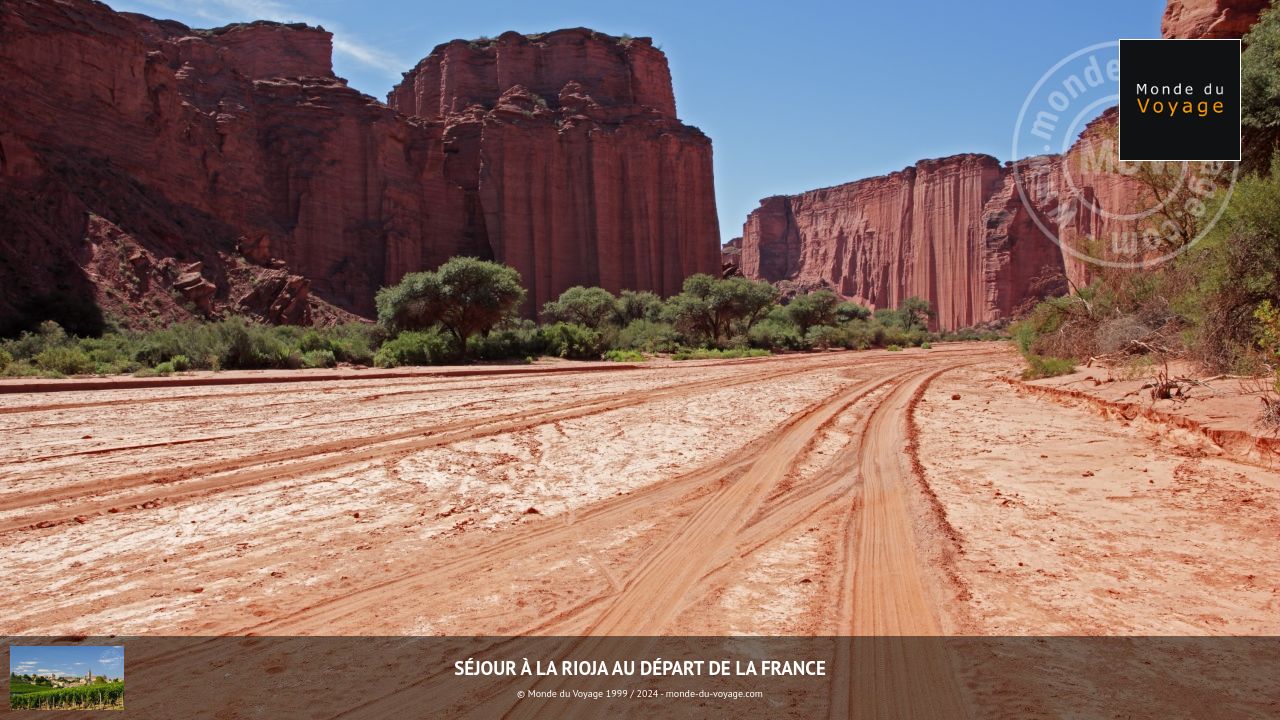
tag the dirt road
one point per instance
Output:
(848, 494)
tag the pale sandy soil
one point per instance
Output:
(830, 494)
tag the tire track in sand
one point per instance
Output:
(890, 666)
(221, 475)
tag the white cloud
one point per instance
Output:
(222, 12)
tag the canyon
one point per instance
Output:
(151, 172)
(956, 231)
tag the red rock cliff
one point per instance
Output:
(956, 231)
(1210, 18)
(569, 145)
(157, 171)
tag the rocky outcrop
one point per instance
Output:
(954, 231)
(239, 151)
(1210, 18)
(569, 147)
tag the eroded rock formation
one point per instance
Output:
(950, 231)
(956, 231)
(569, 145)
(1210, 18)
(236, 151)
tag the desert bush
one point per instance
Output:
(773, 333)
(5, 359)
(1039, 366)
(644, 305)
(165, 368)
(65, 360)
(1120, 333)
(823, 337)
(512, 339)
(894, 348)
(648, 336)
(248, 346)
(624, 356)
(860, 335)
(28, 345)
(719, 354)
(319, 359)
(926, 346)
(1234, 269)
(577, 342)
(426, 347)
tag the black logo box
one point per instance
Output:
(1179, 63)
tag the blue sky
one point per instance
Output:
(795, 95)
(67, 660)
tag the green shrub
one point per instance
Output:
(894, 348)
(28, 345)
(624, 356)
(426, 347)
(5, 359)
(823, 337)
(926, 346)
(252, 347)
(513, 339)
(644, 305)
(775, 333)
(1039, 366)
(648, 336)
(165, 368)
(65, 360)
(181, 363)
(319, 359)
(568, 340)
(860, 335)
(718, 354)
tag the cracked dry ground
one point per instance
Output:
(841, 494)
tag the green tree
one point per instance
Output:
(465, 296)
(915, 313)
(590, 307)
(850, 311)
(814, 308)
(1234, 269)
(1260, 85)
(642, 305)
(709, 306)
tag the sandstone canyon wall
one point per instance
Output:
(570, 145)
(160, 172)
(951, 231)
(955, 231)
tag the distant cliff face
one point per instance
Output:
(956, 231)
(160, 172)
(1210, 18)
(952, 231)
(568, 144)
